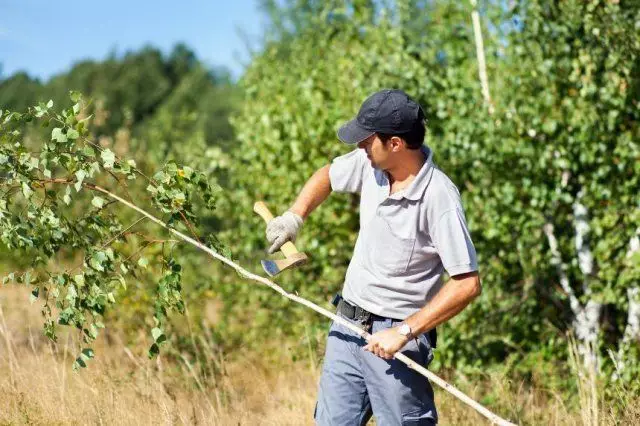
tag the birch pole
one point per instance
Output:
(482, 66)
(494, 418)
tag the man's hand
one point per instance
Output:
(386, 343)
(282, 229)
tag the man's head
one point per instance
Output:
(388, 125)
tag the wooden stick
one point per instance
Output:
(495, 419)
(482, 67)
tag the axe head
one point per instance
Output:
(274, 267)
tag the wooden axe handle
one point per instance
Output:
(261, 208)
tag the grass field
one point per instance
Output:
(121, 386)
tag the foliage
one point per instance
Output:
(55, 209)
(565, 83)
(135, 88)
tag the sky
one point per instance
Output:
(45, 37)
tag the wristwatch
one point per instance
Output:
(405, 330)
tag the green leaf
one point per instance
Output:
(187, 171)
(67, 197)
(154, 350)
(80, 175)
(78, 364)
(108, 158)
(26, 190)
(96, 261)
(143, 262)
(34, 163)
(71, 293)
(79, 279)
(34, 294)
(87, 354)
(97, 202)
(75, 95)
(73, 134)
(92, 331)
(50, 103)
(8, 277)
(156, 333)
(57, 135)
(121, 280)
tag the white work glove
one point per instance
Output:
(282, 229)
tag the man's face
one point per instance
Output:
(377, 152)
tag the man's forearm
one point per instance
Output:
(452, 298)
(314, 192)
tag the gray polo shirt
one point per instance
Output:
(406, 240)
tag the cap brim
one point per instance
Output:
(351, 133)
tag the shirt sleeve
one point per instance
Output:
(346, 172)
(452, 240)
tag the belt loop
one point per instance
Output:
(336, 299)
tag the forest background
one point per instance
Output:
(548, 172)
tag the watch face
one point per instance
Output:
(405, 330)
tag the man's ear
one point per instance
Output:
(396, 143)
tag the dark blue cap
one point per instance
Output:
(389, 111)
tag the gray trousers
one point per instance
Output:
(356, 383)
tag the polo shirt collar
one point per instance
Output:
(415, 190)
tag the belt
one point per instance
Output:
(355, 312)
(365, 318)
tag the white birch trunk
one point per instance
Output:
(632, 329)
(587, 322)
(586, 318)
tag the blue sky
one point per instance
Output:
(45, 38)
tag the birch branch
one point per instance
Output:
(482, 67)
(495, 419)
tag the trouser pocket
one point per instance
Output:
(418, 418)
(425, 349)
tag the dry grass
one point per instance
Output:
(121, 386)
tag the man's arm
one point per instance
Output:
(452, 298)
(313, 193)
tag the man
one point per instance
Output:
(412, 229)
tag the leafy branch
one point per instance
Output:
(52, 226)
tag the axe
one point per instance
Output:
(292, 257)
